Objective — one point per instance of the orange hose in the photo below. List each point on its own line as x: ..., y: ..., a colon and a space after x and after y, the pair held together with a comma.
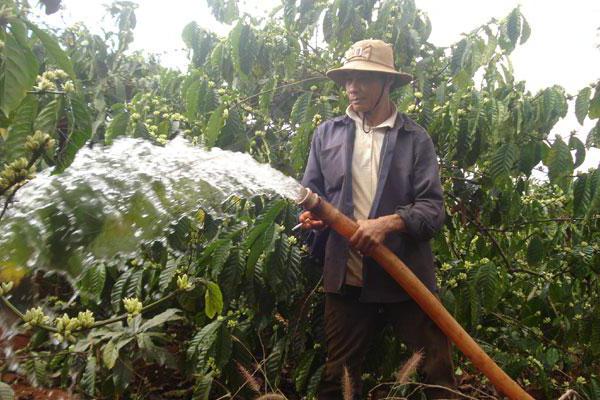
x: 421, y: 295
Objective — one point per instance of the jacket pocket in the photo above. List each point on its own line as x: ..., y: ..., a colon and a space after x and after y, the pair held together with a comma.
x: 332, y: 166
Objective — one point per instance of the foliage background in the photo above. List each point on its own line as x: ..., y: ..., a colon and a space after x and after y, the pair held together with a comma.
x: 237, y: 295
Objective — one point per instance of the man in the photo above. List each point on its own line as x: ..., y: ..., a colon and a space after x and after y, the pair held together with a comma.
x: 379, y: 167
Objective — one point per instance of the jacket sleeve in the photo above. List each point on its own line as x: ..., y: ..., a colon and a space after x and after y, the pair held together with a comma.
x: 425, y: 217
x: 313, y: 179
x: 313, y: 176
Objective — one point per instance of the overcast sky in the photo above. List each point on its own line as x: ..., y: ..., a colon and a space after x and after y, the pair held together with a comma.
x: 562, y: 49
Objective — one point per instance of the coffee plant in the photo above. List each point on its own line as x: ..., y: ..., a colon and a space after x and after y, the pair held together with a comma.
x: 228, y: 303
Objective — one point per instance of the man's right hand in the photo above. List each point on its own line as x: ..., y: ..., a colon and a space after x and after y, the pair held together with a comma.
x: 310, y: 221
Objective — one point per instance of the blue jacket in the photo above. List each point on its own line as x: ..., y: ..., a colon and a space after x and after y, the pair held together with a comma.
x: 409, y: 185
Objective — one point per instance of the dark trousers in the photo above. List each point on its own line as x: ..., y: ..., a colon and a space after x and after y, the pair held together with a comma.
x: 349, y: 327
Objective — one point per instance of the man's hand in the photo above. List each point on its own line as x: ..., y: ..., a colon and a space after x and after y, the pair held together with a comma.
x: 372, y: 232
x: 310, y: 221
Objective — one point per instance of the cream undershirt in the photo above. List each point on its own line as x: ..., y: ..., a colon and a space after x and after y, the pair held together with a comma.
x: 365, y: 175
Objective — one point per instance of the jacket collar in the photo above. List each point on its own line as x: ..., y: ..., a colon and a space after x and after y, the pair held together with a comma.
x: 402, y: 125
x: 402, y: 122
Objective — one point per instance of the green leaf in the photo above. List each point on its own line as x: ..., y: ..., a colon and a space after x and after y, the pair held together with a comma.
x: 594, y: 188
x: 80, y: 130
x: 289, y: 13
x: 489, y: 284
x: 301, y: 110
x: 233, y: 135
x: 47, y: 119
x: 203, y: 386
x: 232, y: 273
x: 221, y: 62
x: 215, y: 124
x: 530, y: 156
x: 559, y: 163
x: 167, y: 275
x: 110, y: 352
x: 261, y: 235
x: 266, y: 98
x: 275, y: 361
x: 582, y: 104
x: 525, y: 32
x: 581, y: 194
x: 513, y: 25
x: 152, y: 352
x: 117, y: 127
x: 135, y: 283
x: 328, y: 26
x: 88, y: 379
x: 593, y: 137
x: 213, y: 299
x: 35, y: 369
x: 503, y: 160
x: 163, y: 317
x: 243, y: 48
x: 55, y: 53
x: 204, y: 340
x: 192, y: 98
x: 6, y: 392
x: 190, y: 34
x: 535, y: 250
x: 92, y: 283
x: 221, y: 351
x: 225, y: 11
x: 595, y: 335
x: 314, y: 382
x: 218, y: 251
x: 594, y: 110
x: 20, y: 69
x: 302, y: 371
x: 579, y: 147
x: 118, y: 289
x: 21, y: 127
x: 458, y: 56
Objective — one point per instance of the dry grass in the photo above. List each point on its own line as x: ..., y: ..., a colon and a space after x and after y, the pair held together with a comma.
x: 569, y: 395
x: 271, y: 396
x: 249, y: 379
x: 409, y: 368
x: 347, y: 386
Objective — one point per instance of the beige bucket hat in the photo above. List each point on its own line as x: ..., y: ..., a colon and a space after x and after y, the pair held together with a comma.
x: 369, y: 55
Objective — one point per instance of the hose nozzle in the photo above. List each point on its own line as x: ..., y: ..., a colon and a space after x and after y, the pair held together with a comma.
x: 307, y: 199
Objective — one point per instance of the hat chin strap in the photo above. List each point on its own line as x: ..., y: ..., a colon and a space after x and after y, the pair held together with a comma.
x: 374, y: 107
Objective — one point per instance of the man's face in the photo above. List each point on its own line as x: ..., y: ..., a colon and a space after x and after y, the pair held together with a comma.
x: 363, y: 89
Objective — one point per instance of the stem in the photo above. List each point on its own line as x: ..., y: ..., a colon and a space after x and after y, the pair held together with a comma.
x: 14, y: 309
x: 485, y: 232
x: 538, y: 221
x: 124, y: 316
x: 514, y: 322
x: 10, y: 198
x: 274, y: 89
x: 97, y: 324
x: 22, y: 317
x: 46, y: 92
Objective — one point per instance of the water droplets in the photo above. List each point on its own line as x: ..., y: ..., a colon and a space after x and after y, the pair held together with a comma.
x: 111, y: 199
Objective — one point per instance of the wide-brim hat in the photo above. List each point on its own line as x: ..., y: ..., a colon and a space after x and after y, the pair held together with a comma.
x: 369, y: 55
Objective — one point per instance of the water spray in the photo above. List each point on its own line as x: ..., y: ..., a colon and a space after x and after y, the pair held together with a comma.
x: 419, y: 293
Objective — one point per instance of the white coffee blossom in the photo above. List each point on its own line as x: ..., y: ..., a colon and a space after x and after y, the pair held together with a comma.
x: 35, y: 317
x: 132, y: 305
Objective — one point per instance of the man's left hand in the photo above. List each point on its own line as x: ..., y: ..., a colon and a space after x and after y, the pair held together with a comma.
x: 372, y: 232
